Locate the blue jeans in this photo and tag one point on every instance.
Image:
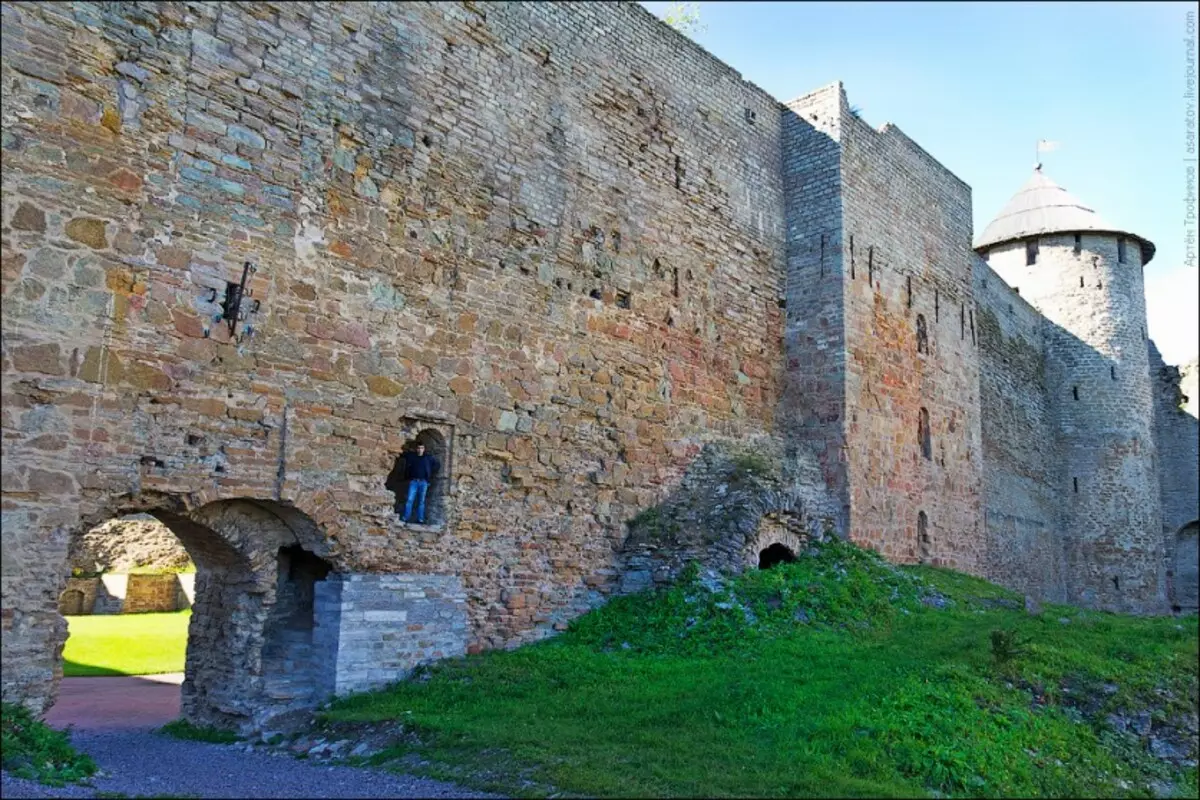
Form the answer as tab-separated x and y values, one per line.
416	491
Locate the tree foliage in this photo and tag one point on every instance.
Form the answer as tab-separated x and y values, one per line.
685	18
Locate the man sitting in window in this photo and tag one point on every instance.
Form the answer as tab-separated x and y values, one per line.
420	468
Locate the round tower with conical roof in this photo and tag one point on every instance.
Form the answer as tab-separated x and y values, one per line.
1085	276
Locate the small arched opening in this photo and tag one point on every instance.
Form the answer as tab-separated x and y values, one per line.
775	554
289	661
411	498
1185	575
923	434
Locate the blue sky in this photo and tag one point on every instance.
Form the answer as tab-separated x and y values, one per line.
978	84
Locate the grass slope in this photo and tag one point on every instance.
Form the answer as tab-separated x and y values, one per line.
126	644
838	675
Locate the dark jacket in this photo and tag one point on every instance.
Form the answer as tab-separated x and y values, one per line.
420	468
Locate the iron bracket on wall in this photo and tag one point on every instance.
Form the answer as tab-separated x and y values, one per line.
232	310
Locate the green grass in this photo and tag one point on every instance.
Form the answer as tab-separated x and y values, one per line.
126	644
182	729
876	694
31	749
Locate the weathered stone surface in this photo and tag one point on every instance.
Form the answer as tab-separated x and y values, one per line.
87	230
120	545
570	265
29	217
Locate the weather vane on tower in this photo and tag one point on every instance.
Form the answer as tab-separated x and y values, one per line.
1043	146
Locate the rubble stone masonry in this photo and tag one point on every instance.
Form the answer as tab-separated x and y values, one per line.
251	252
551	233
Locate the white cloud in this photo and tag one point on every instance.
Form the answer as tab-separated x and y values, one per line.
1173	312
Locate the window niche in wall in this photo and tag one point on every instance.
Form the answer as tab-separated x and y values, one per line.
924	545
1031	252
923	435
922	335
1121	251
437	437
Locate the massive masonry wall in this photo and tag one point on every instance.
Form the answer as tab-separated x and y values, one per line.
1025	545
550	233
814	409
1098	379
906	254
1177	436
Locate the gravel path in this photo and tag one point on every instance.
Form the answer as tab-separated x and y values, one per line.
140	763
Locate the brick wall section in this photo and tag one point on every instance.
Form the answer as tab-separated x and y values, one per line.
1096	346
906	251
431	195
376	629
1026	548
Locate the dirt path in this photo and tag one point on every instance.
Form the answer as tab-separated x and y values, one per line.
113	721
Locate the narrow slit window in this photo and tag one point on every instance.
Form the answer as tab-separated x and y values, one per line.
971	324
851	258
1080	281
1075	392
962	322
1031	252
908	284
922	335
871	265
937	306
1112	372
1120	251
1075	485
923	435
1078	243
923	543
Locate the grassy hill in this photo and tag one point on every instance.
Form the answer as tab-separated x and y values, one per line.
837	675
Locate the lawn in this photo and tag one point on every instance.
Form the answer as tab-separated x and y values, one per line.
126	644
837	675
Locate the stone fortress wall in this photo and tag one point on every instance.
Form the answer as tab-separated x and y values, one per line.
559	241
506	224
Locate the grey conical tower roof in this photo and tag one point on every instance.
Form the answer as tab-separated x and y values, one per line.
1040	207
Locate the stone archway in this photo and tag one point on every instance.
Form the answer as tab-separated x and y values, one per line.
775	554
255	645
1185	579
780	536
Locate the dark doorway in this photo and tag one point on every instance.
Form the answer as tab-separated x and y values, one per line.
775	554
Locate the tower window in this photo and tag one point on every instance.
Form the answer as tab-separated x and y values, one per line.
922	335
1078	243
1112	372
923	434
923	543
1121	251
1075	392
1031	252
1080	281
1075	485
908	283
